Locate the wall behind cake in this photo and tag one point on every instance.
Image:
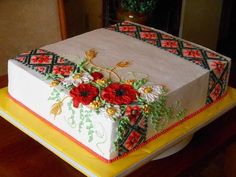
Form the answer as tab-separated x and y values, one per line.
25	25
200	21
83	16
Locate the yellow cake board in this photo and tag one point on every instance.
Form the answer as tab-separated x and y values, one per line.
87	163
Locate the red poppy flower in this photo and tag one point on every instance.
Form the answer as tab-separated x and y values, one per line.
117	93
84	94
133	112
97	75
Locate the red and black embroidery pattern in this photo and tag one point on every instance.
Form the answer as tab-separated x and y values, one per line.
46	62
134	136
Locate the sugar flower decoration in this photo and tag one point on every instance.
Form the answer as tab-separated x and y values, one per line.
112	111
77	79
97	75
117	93
96	104
150	93
83	94
133	113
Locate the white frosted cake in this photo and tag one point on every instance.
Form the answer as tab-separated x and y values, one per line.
113	92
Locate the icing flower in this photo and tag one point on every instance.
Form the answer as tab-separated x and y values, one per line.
77	79
133	113
84	94
97	75
117	93
112	111
150	93
82	77
54	83
101	82
95	104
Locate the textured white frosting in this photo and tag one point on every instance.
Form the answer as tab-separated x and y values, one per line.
187	82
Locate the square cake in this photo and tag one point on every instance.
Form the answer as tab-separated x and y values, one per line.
113	90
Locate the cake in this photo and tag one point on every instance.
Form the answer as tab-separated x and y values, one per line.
113	90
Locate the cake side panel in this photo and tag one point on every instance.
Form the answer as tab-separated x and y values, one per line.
191	97
218	80
94	131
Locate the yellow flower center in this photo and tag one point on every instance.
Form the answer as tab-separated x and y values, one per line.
77	76
54	83
148	89
95	104
111	111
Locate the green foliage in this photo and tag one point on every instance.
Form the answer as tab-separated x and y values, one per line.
123	125
139	6
51	76
71	118
139	83
160	113
55	95
81	119
85	120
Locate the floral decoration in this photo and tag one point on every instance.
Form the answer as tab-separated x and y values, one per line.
96	104
83	94
130	102
117	93
97	75
112	111
133	112
77	79
151	92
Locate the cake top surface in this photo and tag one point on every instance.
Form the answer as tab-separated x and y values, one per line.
160	66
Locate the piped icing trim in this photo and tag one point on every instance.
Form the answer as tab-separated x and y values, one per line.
192	115
218	65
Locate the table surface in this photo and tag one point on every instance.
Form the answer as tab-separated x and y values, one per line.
21	156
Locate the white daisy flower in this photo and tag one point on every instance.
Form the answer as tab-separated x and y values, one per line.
151	93
111	111
78	78
67	81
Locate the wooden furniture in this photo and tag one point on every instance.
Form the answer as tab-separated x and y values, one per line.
62	19
21	156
